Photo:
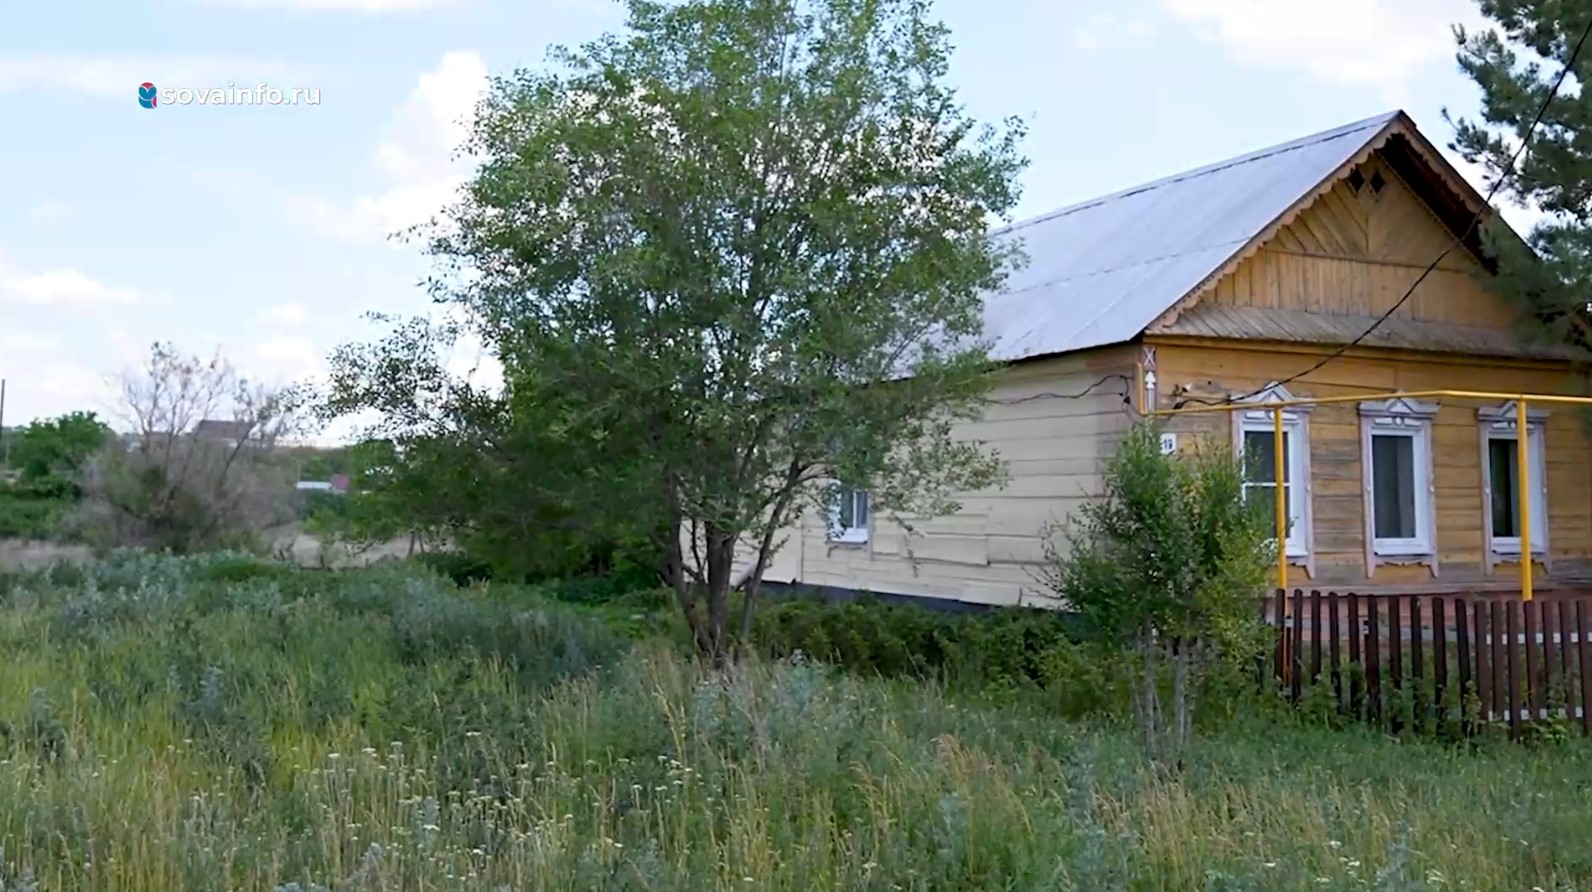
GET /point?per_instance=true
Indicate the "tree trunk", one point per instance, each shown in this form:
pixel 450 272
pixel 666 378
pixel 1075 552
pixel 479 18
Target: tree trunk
pixel 674 571
pixel 719 555
pixel 1146 701
pixel 1180 692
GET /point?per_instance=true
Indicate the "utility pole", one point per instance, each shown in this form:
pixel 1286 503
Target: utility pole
pixel 5 457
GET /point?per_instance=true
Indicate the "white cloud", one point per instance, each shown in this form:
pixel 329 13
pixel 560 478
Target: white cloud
pixel 354 5
pixel 1107 28
pixel 290 315
pixel 287 357
pixel 64 289
pixel 50 211
pixel 119 76
pixel 21 343
pixel 40 386
pixel 1377 43
pixel 417 157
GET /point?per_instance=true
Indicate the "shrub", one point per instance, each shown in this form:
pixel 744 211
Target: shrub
pixel 1168 567
pixel 1014 647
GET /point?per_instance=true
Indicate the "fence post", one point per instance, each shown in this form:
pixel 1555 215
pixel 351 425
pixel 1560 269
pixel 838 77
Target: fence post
pixel 1440 652
pixel 1355 634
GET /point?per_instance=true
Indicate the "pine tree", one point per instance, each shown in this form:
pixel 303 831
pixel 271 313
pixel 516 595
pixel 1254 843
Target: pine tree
pixel 1517 62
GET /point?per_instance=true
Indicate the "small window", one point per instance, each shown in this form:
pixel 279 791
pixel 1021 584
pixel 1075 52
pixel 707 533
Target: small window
pixel 1500 472
pixel 1397 453
pixel 849 515
pixel 1259 455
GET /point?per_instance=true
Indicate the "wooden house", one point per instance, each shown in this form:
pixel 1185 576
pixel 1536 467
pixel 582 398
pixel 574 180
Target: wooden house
pixel 1217 283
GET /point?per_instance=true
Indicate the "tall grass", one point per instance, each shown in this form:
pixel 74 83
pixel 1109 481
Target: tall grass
pixel 203 724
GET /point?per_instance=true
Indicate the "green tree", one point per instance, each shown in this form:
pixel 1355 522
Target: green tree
pixel 1516 62
pixel 487 473
pixel 48 456
pixel 1170 567
pixel 731 258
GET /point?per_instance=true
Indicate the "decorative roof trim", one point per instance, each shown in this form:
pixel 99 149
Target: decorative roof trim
pixel 1398 407
pixel 1272 393
pixel 1254 245
pixel 1507 414
pixel 1399 124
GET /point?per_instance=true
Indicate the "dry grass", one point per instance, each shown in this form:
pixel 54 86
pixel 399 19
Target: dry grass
pixel 302 548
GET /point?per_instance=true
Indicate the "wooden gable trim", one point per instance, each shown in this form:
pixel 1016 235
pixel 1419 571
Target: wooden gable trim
pixel 1399 126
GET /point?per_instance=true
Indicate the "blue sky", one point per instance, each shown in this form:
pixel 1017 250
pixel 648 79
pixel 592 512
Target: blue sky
pixel 260 230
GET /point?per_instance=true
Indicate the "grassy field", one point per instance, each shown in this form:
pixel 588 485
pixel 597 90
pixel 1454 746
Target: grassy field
pixel 204 724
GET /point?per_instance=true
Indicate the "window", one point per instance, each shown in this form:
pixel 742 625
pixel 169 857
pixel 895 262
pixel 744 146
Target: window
pixel 849 516
pixel 1500 464
pixel 1396 449
pixel 1256 439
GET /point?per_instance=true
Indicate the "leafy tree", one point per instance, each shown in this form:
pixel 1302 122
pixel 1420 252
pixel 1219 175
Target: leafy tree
pixel 729 259
pixel 48 456
pixel 450 464
pixel 1516 63
pixel 1170 567
pixel 46 463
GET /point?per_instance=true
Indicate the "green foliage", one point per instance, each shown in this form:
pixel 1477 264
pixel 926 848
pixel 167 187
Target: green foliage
pixel 877 638
pixel 220 722
pixel 1172 547
pixel 48 457
pixel 22 517
pixel 1040 653
pixel 1168 567
pixel 1551 280
pixel 726 258
pixel 42 483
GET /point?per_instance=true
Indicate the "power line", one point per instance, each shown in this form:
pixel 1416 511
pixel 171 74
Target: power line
pixel 1508 171
pixel 1126 395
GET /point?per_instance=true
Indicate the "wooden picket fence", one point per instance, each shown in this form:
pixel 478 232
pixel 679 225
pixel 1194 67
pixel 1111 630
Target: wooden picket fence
pixel 1460 662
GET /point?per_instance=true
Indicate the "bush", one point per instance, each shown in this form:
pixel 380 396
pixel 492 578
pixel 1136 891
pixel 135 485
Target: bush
pixel 463 569
pixel 22 517
pixel 1010 647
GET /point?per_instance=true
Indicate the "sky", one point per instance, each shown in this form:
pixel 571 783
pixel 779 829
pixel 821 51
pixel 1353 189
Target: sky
pixel 263 231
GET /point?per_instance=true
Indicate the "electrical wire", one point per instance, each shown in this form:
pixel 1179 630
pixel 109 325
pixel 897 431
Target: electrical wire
pixel 1126 395
pixel 1503 178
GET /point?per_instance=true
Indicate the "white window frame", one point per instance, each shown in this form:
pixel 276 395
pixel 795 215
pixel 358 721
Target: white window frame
pixel 1500 423
pixel 1296 424
pixel 852 535
pixel 1400 417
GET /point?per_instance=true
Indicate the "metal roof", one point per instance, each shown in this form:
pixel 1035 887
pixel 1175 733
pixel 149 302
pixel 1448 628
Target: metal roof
pixel 1100 272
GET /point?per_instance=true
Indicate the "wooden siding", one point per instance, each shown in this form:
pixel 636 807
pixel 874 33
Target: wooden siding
pixel 989 551
pixel 1218 369
pixel 1356 254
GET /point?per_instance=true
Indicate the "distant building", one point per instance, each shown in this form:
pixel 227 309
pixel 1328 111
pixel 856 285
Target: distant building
pixel 230 432
pixel 338 484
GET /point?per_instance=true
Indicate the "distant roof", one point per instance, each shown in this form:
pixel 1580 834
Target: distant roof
pixel 1101 272
pixel 223 430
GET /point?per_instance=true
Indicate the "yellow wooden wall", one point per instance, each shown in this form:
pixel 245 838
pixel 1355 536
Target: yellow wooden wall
pixel 1220 369
pixel 1356 254
pixel 988 552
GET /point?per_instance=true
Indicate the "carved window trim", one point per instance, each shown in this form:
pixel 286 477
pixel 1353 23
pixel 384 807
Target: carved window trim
pixel 1413 419
pixel 1296 424
pixel 1499 423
